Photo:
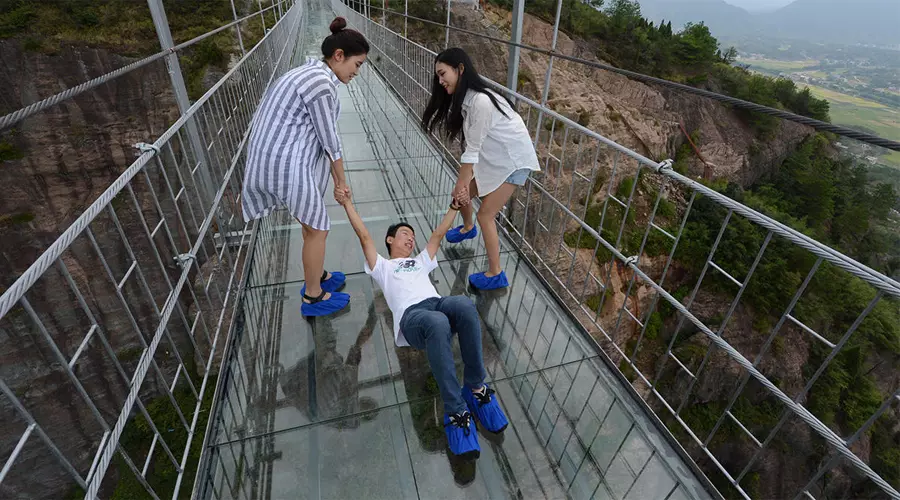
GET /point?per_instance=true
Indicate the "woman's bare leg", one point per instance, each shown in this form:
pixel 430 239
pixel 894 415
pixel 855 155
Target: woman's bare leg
pixel 314 260
pixel 490 207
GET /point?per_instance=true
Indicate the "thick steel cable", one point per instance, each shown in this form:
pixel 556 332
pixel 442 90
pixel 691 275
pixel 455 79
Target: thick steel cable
pixel 739 103
pixel 35 108
pixel 829 435
pixel 144 363
pixel 867 274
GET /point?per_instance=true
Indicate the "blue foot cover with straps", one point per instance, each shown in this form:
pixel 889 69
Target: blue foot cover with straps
pixel 456 235
pixel 333 284
pixel 486 408
pixel 482 282
pixel 461 435
pixel 319 307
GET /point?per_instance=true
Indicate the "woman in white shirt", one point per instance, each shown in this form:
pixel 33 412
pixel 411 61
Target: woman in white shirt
pixel 498 157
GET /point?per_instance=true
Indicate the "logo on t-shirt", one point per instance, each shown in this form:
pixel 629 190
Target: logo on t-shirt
pixel 407 266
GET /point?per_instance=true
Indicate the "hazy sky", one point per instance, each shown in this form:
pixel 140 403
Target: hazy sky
pixel 753 5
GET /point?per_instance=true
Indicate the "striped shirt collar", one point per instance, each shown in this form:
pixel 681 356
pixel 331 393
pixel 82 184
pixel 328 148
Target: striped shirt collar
pixel 322 64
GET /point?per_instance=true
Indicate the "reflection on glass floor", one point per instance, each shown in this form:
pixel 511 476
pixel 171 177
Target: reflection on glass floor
pixel 332 409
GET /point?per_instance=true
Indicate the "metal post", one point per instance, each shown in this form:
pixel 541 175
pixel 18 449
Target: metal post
pixel 546 91
pixel 158 12
pixel 237 29
pixel 384 12
pixel 447 29
pixel 262 17
pixel 512 74
pixel 405 17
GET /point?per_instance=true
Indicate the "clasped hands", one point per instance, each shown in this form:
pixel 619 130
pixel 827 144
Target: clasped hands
pixel 342 194
pixel 461 195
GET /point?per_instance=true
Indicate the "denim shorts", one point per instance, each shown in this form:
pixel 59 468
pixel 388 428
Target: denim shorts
pixel 519 176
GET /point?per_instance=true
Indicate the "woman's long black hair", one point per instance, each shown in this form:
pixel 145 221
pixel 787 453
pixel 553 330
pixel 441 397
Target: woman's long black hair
pixel 445 110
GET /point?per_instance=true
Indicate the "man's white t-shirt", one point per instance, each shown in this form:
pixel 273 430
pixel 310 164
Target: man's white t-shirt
pixel 405 283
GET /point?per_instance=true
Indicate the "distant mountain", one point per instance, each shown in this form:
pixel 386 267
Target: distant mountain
pixel 722 18
pixel 843 21
pixel 759 5
pixel 835 21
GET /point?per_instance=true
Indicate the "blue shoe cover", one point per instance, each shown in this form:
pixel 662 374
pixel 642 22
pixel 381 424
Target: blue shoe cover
pixel 334 304
pixel 333 284
pixel 486 408
pixel 482 282
pixel 461 435
pixel 456 235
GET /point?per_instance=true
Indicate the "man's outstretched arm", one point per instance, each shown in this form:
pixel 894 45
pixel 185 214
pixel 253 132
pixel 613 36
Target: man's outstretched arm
pixel 365 239
pixel 446 224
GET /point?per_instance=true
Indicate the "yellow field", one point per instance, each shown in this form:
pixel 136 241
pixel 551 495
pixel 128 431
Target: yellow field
pixel 850 110
pixel 835 96
pixel 893 158
pixel 816 74
pixel 774 65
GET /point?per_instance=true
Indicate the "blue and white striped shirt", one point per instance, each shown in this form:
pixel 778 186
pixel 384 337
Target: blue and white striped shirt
pixel 293 138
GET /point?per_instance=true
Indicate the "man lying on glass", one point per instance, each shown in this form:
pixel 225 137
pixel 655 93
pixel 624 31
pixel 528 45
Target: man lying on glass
pixel 425 320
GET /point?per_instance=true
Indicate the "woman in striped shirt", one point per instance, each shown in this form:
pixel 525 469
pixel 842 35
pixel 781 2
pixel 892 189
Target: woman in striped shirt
pixel 293 141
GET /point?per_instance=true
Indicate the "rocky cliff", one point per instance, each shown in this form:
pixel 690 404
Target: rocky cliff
pixel 645 118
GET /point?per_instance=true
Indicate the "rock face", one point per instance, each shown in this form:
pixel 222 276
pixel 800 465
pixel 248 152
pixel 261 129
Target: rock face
pixel 645 118
pixel 73 151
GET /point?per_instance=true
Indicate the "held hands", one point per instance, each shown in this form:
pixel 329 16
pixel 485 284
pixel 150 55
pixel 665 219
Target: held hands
pixel 342 194
pixel 461 195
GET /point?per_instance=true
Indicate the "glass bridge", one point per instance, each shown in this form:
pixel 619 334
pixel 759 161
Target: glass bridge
pixel 172 336
pixel 332 409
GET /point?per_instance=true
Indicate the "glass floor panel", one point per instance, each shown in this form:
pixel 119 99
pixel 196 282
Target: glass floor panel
pixel 331 408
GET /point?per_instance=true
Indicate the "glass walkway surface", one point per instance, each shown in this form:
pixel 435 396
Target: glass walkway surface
pixel 332 409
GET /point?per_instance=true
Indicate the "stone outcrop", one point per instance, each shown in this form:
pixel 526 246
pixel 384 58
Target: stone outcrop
pixel 645 118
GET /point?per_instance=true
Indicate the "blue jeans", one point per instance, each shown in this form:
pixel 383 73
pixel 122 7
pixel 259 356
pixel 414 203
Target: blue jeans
pixel 429 325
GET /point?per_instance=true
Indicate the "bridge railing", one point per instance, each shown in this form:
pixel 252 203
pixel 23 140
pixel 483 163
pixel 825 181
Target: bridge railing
pixel 636 252
pixel 117 330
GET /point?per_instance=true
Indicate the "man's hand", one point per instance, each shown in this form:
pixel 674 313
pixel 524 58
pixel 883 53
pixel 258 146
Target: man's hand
pixel 342 194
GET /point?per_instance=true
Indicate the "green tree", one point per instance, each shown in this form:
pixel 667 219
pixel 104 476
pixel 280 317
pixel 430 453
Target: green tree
pixel 696 47
pixel 883 199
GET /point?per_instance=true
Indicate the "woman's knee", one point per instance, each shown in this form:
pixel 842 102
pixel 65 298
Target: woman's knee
pixel 485 215
pixel 309 232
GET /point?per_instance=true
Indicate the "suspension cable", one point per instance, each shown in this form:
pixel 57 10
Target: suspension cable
pixel 738 103
pixel 32 109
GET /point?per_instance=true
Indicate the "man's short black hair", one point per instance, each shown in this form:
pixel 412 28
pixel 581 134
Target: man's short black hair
pixel 392 232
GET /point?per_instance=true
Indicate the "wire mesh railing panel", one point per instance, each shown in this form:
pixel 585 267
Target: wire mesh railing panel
pixel 698 298
pixel 121 322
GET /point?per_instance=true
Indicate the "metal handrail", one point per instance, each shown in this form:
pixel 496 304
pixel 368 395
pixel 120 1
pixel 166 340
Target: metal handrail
pixel 885 286
pixel 35 108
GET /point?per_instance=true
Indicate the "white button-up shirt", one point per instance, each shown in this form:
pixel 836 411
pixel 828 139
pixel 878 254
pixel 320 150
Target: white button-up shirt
pixel 497 145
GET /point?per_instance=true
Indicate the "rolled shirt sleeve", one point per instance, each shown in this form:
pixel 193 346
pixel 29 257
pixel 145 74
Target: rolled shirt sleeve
pixel 476 127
